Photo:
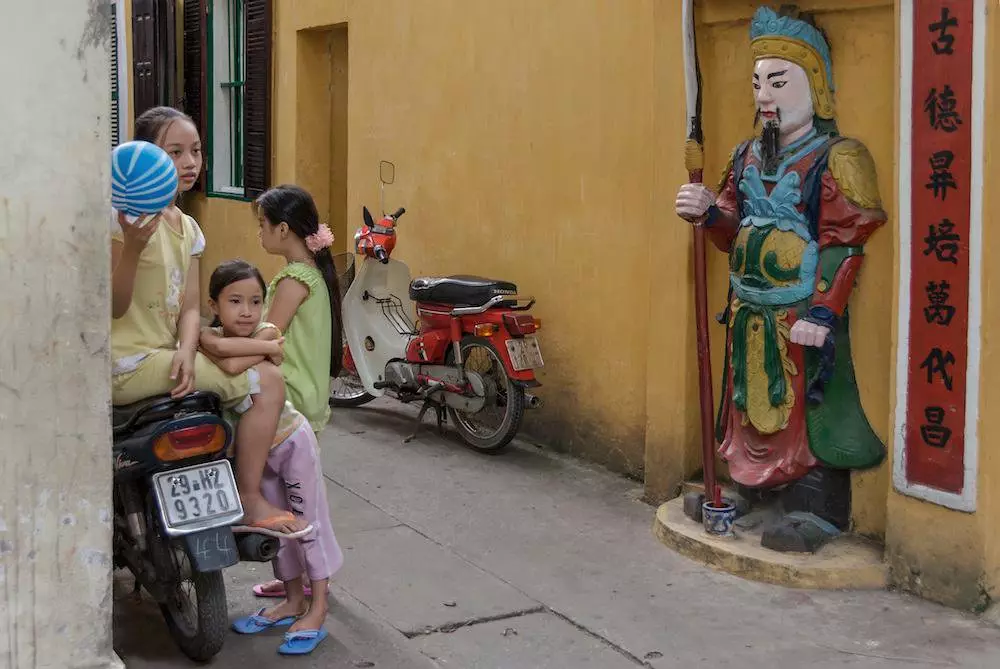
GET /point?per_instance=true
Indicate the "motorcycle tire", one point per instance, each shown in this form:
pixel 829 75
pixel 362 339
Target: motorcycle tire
pixel 501 437
pixel 349 401
pixel 202 640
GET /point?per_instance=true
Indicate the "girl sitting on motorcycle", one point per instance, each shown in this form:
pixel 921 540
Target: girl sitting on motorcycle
pixel 155 331
pixel 304 303
pixel 293 478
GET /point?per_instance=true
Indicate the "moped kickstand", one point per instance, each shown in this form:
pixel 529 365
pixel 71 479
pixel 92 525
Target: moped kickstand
pixel 428 403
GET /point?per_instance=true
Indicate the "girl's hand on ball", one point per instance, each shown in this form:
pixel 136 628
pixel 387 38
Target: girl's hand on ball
pixel 138 234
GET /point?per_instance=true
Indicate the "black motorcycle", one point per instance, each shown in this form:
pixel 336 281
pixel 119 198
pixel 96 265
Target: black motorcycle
pixel 175 498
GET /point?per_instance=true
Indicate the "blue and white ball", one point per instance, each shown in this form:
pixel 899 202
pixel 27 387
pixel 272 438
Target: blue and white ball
pixel 143 179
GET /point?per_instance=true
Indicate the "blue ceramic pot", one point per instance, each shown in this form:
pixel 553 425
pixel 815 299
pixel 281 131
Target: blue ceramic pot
pixel 719 521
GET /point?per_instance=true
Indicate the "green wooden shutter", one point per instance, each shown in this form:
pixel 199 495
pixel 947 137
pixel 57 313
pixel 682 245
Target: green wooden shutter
pixel 257 98
pixel 166 53
pixel 154 59
pixel 143 55
pixel 196 72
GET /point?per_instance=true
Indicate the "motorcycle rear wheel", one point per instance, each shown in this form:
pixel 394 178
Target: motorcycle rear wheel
pixel 501 393
pixel 199 627
pixel 347 391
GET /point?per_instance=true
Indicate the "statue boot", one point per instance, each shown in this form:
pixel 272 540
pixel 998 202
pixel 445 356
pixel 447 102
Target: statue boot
pixel 816 508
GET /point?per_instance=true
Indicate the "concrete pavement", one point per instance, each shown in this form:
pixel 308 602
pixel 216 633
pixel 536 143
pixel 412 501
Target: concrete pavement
pixel 532 560
pixel 357 638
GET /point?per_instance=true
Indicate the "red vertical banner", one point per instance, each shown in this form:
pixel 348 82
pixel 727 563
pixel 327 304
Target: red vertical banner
pixel 941 205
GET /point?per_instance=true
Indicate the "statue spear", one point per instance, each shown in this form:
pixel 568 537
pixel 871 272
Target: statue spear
pixel 694 162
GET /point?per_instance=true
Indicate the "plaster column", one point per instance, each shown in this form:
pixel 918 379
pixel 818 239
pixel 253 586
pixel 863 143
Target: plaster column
pixel 55 485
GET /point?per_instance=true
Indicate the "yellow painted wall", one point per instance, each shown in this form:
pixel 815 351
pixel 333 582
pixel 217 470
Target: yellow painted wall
pixel 127 18
pixel 989 424
pixel 520 134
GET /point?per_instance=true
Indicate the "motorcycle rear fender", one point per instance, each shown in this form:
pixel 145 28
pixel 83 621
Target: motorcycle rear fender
pixel 211 550
pixel 437 345
pixel 499 341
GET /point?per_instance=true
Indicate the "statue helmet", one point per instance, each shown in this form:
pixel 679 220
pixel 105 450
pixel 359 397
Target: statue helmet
pixel 784 36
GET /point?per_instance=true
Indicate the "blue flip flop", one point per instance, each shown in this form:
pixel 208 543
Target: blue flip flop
pixel 258 623
pixel 302 642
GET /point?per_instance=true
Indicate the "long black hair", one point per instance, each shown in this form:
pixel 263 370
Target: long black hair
pixel 229 273
pixel 295 206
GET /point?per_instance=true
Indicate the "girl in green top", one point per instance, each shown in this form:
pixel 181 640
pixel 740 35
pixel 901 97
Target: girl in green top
pixel 303 301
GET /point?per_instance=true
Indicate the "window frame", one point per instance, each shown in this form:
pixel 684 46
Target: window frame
pixel 255 101
pixel 235 150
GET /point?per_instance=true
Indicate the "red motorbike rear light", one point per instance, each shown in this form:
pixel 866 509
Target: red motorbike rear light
pixel 190 442
pixel 519 325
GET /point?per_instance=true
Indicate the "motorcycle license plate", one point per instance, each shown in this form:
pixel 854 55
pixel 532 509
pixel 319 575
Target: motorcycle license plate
pixel 197 498
pixel 524 353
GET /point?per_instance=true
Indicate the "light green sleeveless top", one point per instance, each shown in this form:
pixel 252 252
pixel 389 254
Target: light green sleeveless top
pixel 307 345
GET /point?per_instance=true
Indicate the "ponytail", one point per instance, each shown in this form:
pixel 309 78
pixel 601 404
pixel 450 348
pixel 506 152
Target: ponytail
pixel 324 263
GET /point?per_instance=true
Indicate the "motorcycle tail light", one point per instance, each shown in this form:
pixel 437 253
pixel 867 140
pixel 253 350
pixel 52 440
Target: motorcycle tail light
pixel 485 329
pixel 520 324
pixel 190 442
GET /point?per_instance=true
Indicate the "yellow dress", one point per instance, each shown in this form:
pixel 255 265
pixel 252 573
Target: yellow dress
pixel 144 340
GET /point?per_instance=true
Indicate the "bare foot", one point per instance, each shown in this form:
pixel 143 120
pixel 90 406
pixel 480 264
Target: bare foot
pixel 285 609
pixel 258 511
pixel 313 618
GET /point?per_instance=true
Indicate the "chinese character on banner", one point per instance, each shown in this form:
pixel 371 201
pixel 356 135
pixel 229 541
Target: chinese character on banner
pixel 936 363
pixel 940 108
pixel 941 178
pixel 942 242
pixel 944 43
pixel 938 310
pixel 934 431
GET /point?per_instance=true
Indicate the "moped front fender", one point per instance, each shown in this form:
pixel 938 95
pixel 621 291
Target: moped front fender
pixel 379 319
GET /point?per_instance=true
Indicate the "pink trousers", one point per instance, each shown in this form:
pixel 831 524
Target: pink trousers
pixel 293 480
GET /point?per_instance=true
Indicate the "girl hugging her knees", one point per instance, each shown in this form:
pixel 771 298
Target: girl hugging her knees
pixel 292 479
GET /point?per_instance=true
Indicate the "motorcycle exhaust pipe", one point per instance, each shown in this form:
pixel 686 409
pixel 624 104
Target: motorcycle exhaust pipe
pixel 256 547
pixel 533 401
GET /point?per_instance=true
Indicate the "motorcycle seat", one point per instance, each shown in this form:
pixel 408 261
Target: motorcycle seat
pixel 127 417
pixel 459 291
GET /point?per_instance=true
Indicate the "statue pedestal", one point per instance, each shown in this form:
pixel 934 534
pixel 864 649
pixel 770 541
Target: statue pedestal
pixel 845 563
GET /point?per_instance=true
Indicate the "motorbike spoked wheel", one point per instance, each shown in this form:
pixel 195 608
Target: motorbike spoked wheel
pixel 492 428
pixel 195 611
pixel 347 391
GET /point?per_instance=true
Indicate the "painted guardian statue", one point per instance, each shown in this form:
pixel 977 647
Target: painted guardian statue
pixel 794 209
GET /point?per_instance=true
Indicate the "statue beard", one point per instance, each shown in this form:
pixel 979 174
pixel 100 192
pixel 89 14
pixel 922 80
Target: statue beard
pixel 770 142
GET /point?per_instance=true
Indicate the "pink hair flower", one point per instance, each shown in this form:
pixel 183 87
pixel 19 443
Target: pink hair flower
pixel 321 239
